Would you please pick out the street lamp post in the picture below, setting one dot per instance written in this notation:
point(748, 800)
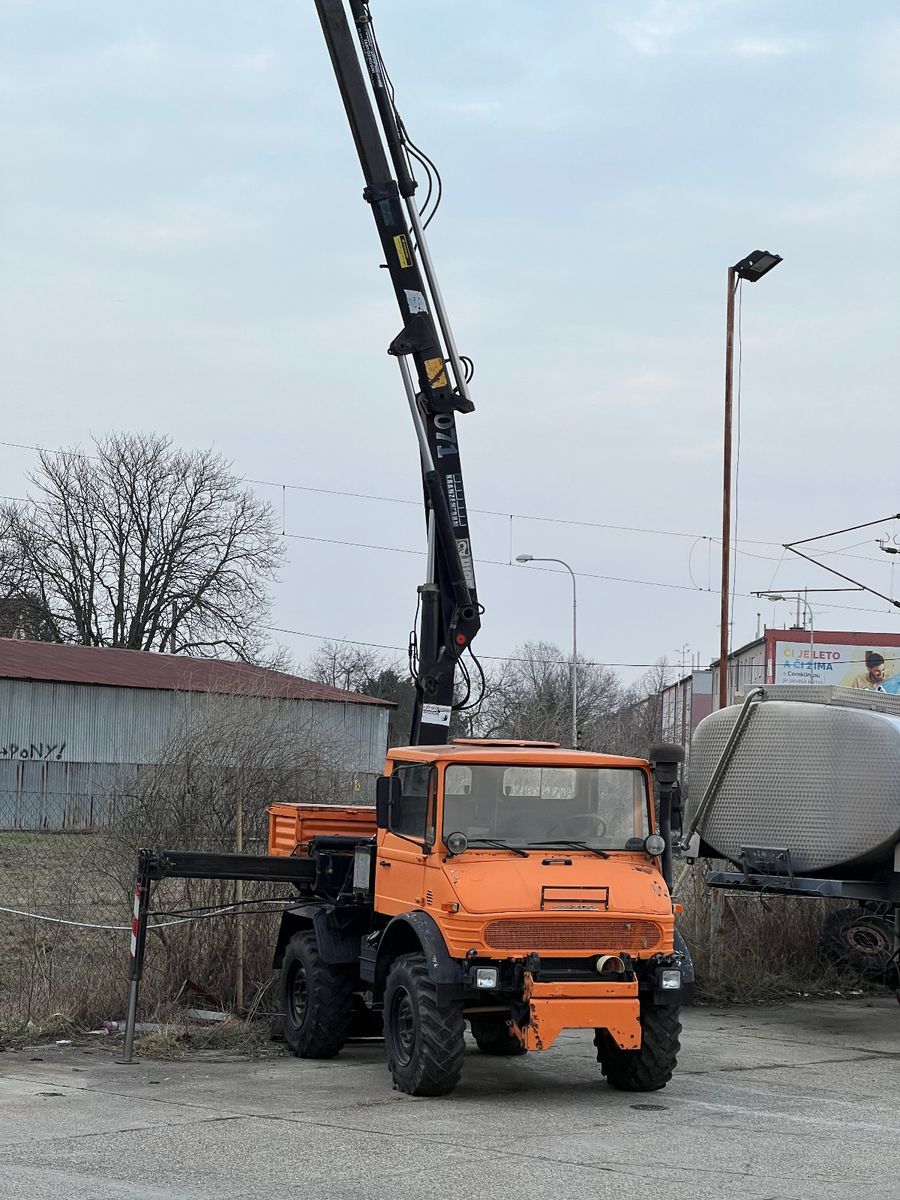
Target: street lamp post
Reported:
point(812, 633)
point(751, 268)
point(527, 558)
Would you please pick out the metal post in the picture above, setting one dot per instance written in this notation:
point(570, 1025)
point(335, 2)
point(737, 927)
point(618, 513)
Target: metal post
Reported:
point(138, 946)
point(726, 492)
point(574, 661)
point(238, 898)
point(526, 558)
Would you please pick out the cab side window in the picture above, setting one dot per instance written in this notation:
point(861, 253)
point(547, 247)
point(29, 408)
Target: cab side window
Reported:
point(411, 819)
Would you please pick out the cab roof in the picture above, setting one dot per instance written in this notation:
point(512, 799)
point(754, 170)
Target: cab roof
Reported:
point(510, 753)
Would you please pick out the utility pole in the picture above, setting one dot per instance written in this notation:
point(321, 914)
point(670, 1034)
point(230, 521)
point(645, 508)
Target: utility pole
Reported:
point(751, 268)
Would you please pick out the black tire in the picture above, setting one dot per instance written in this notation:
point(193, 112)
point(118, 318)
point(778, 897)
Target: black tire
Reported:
point(651, 1067)
point(859, 940)
point(492, 1036)
point(316, 1000)
point(424, 1041)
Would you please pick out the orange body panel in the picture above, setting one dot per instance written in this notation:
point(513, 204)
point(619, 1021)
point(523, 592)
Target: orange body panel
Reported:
point(292, 825)
point(554, 1007)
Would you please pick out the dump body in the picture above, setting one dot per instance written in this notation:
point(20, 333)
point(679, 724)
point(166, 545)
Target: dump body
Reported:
point(816, 771)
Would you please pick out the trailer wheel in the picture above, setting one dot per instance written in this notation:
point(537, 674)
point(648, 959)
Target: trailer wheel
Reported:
point(316, 1000)
point(424, 1041)
point(651, 1067)
point(492, 1036)
point(859, 939)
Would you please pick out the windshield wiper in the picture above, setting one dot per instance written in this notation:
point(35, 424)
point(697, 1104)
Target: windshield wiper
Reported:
point(574, 846)
point(498, 845)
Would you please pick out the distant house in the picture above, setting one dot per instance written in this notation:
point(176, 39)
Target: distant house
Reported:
point(77, 722)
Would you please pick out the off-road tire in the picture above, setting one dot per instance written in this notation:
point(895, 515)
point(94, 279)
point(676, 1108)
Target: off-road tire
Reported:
point(492, 1036)
point(316, 1000)
point(424, 1041)
point(651, 1067)
point(859, 940)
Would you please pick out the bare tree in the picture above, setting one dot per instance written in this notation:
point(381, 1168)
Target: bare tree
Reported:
point(530, 696)
point(143, 547)
point(362, 669)
point(638, 722)
point(343, 665)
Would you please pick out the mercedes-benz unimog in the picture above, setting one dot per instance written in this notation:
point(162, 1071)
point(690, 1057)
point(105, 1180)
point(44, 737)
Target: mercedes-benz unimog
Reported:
point(514, 885)
point(518, 886)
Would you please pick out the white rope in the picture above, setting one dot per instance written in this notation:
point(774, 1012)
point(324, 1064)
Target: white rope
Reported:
point(219, 912)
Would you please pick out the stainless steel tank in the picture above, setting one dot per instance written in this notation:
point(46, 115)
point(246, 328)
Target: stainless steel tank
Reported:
point(815, 770)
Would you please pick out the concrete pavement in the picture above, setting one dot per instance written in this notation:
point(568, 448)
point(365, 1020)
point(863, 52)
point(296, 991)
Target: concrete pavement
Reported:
point(796, 1101)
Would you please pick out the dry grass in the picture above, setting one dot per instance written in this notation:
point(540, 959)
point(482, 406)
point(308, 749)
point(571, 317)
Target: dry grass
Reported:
point(251, 1039)
point(750, 948)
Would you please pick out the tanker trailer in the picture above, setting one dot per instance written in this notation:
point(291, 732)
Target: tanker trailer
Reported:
point(798, 790)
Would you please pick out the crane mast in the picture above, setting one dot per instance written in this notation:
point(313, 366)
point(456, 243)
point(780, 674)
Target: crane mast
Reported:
point(434, 377)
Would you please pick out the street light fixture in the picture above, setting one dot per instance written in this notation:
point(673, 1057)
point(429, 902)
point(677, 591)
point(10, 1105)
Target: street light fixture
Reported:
point(527, 558)
point(751, 268)
point(755, 265)
point(812, 633)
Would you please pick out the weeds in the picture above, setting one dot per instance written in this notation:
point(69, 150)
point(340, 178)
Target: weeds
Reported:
point(750, 948)
point(248, 1038)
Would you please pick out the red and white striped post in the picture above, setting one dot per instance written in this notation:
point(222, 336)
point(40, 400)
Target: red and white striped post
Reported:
point(138, 945)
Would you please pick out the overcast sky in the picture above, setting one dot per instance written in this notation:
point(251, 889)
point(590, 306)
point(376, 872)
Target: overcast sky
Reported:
point(185, 250)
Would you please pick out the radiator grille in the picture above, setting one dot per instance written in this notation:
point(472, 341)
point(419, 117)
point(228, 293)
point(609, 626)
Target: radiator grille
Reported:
point(547, 934)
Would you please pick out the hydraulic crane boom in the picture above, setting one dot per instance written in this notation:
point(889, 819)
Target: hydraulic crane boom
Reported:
point(449, 611)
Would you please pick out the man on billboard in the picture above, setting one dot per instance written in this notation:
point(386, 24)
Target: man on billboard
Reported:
point(875, 677)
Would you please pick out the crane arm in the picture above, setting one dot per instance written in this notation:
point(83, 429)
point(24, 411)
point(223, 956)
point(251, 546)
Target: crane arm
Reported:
point(435, 384)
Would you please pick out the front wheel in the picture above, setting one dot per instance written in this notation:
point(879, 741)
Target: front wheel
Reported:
point(651, 1067)
point(424, 1040)
point(492, 1036)
point(316, 1000)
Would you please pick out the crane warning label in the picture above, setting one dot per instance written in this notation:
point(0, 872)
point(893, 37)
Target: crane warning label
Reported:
point(436, 714)
point(401, 245)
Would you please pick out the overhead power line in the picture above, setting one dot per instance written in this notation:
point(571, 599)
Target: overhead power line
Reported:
point(489, 512)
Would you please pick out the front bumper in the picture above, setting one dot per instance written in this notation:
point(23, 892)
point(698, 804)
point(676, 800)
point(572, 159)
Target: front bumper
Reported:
point(549, 1008)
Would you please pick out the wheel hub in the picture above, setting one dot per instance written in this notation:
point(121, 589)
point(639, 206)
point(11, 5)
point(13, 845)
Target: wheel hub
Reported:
point(403, 1022)
point(299, 995)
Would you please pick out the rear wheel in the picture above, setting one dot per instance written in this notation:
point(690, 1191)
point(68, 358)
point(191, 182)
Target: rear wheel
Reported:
point(316, 1000)
point(424, 1040)
point(651, 1067)
point(492, 1036)
point(859, 939)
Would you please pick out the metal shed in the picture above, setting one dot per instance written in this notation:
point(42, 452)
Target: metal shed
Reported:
point(79, 721)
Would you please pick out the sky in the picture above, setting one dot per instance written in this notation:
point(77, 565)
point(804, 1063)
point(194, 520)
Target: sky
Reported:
point(184, 249)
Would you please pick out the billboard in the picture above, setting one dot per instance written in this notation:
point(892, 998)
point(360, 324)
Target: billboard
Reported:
point(870, 666)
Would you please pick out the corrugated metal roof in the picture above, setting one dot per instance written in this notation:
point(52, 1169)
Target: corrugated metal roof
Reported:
point(49, 661)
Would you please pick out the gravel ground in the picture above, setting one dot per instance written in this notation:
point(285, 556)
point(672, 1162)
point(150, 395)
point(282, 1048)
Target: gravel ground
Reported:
point(794, 1101)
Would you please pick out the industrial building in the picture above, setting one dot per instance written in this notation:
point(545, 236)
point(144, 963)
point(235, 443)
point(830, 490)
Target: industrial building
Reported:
point(796, 656)
point(77, 722)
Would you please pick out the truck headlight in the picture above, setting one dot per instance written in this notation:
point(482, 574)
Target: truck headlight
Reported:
point(654, 844)
point(670, 979)
point(487, 977)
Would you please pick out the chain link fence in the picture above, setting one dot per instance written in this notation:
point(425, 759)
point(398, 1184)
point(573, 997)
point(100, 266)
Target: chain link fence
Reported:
point(66, 885)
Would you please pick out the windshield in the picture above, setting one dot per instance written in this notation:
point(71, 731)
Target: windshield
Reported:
point(605, 807)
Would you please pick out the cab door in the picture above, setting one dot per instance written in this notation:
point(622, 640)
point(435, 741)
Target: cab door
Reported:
point(400, 865)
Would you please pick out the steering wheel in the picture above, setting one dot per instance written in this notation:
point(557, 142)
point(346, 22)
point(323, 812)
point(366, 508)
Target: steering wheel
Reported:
point(599, 825)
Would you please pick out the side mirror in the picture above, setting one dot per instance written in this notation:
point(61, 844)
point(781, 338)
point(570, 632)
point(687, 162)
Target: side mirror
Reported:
point(665, 760)
point(388, 796)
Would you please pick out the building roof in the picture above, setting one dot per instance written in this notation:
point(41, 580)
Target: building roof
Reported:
point(51, 662)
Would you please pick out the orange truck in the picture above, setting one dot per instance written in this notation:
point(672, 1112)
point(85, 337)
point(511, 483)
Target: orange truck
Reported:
point(518, 886)
point(514, 885)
